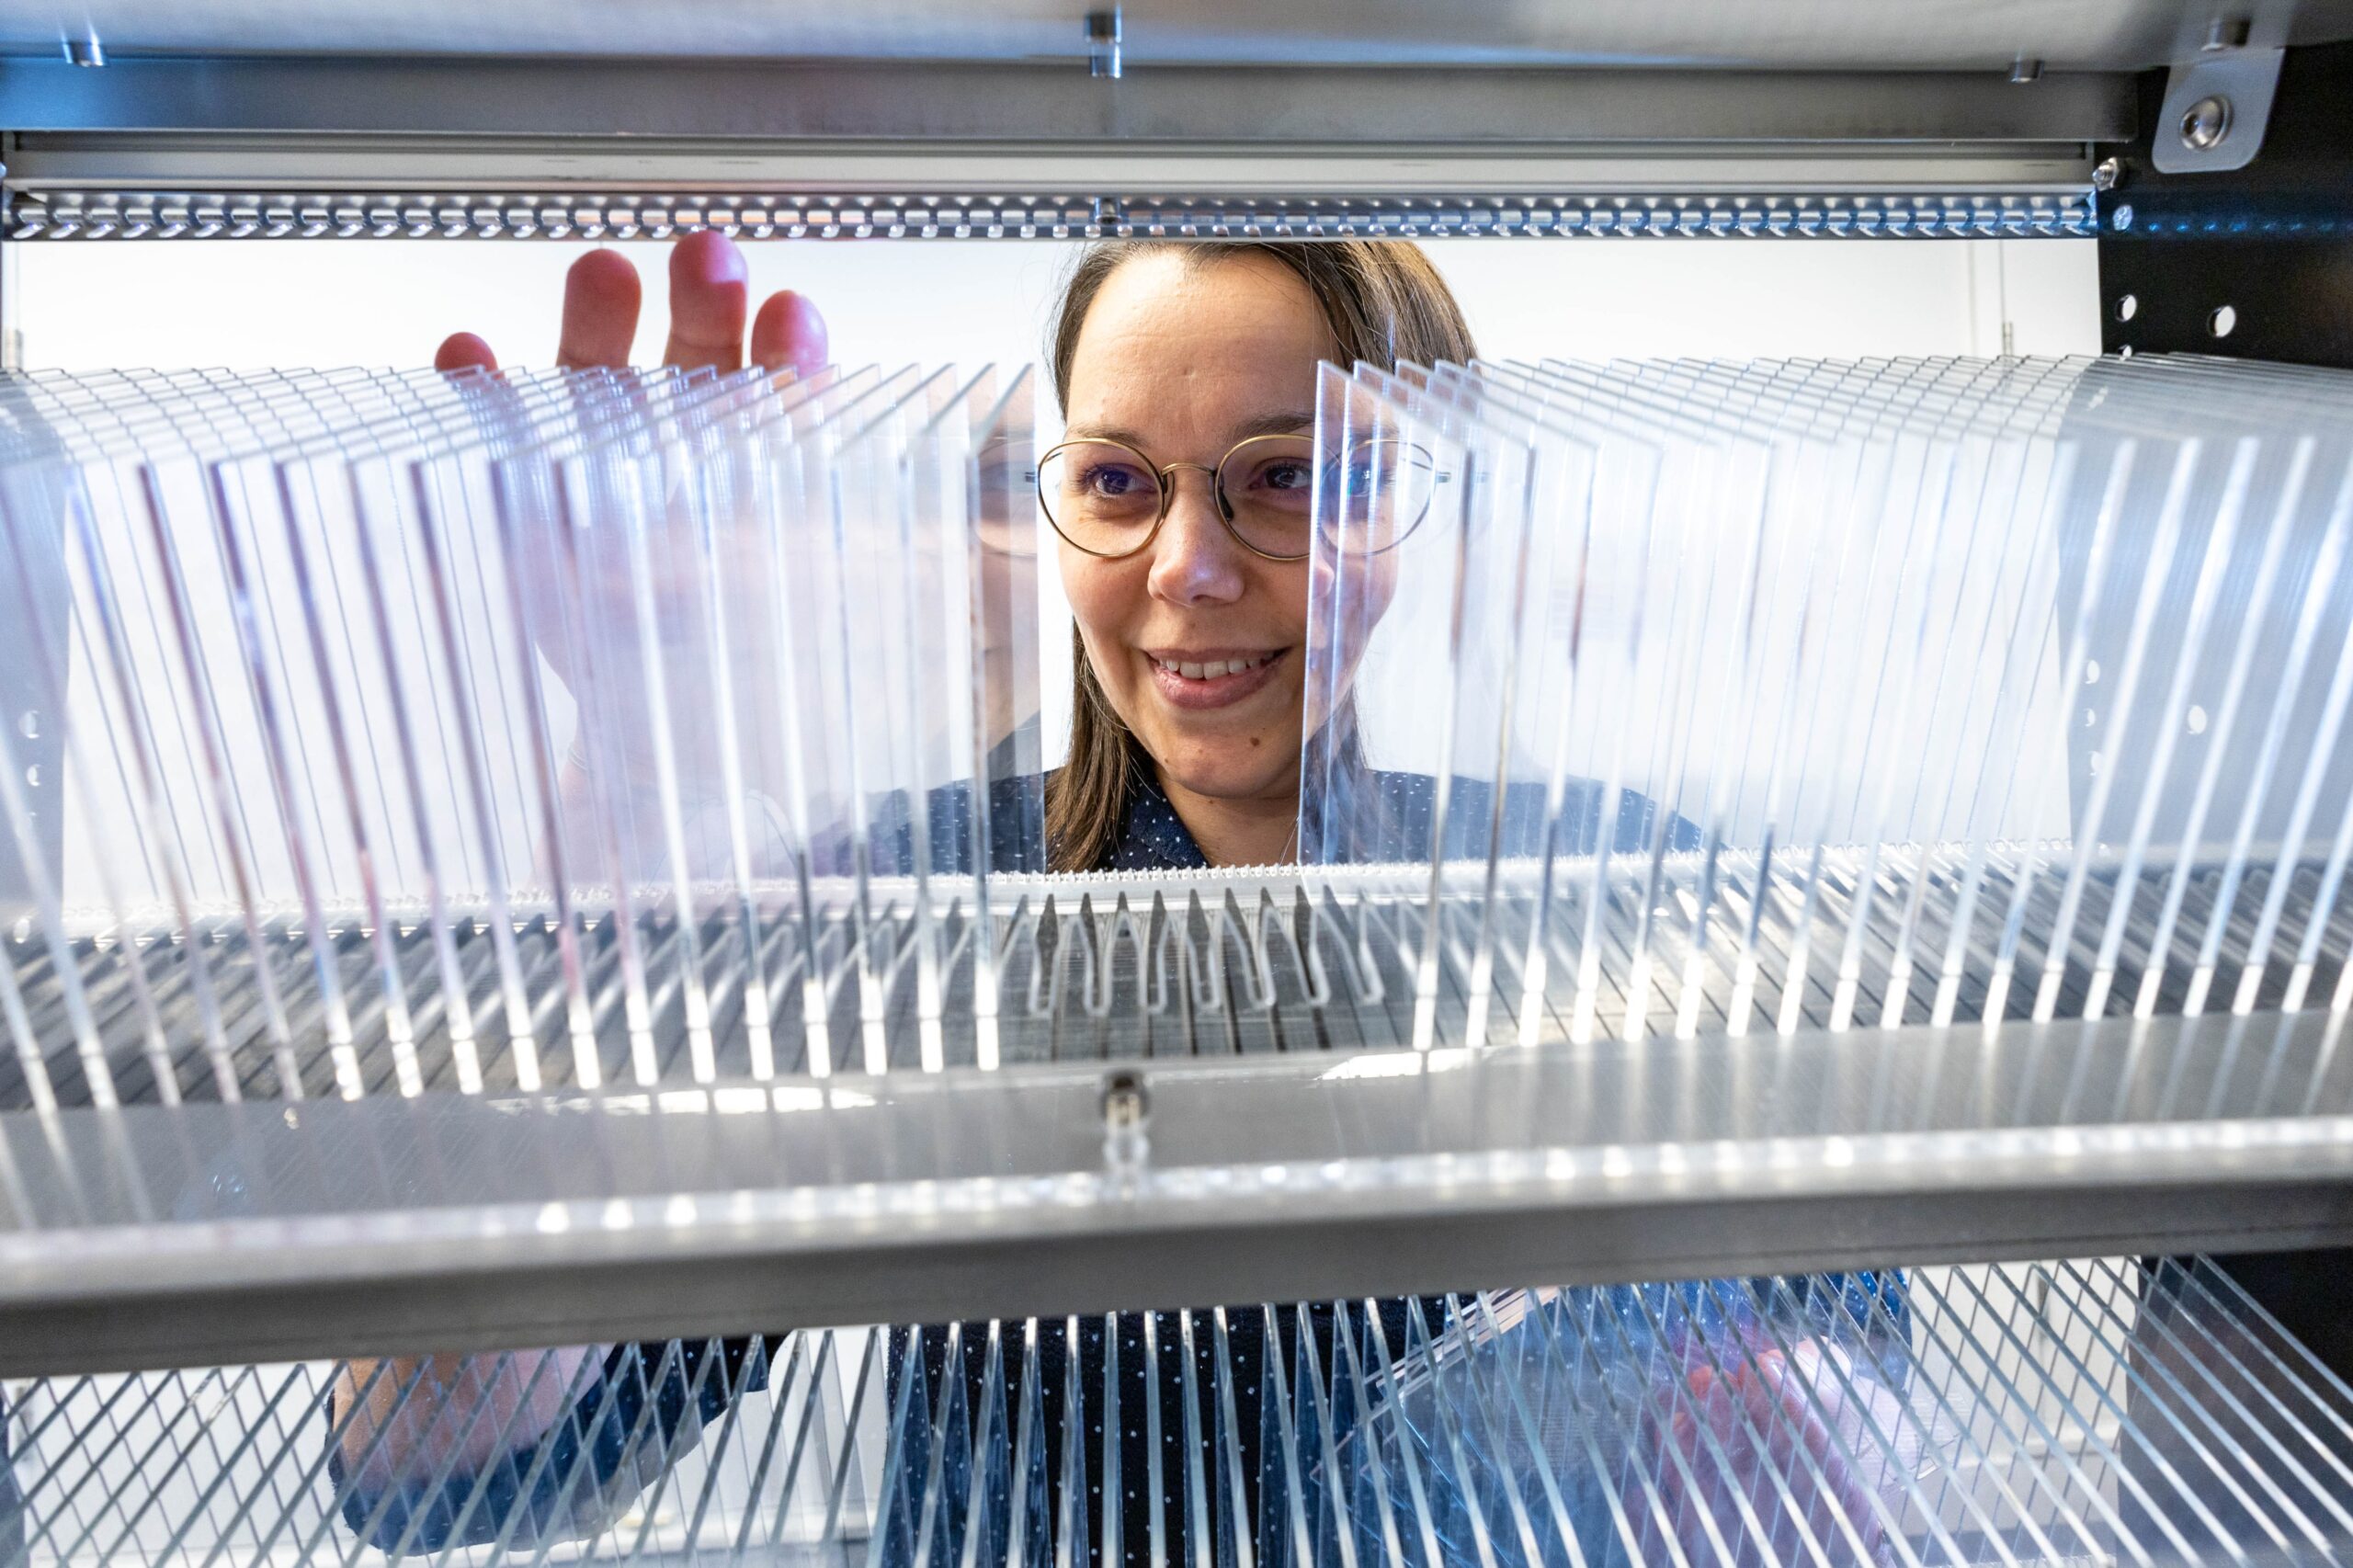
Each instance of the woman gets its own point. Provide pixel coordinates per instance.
(1187, 375)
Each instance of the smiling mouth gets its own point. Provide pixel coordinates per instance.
(1211, 669)
(1213, 683)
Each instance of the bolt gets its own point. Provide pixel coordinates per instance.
(1105, 210)
(2023, 70)
(1103, 43)
(2107, 174)
(85, 50)
(2225, 32)
(1125, 1102)
(1127, 1108)
(2206, 124)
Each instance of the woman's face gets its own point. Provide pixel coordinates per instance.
(1180, 361)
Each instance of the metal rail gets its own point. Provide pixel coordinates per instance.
(266, 147)
(152, 1235)
(1104, 967)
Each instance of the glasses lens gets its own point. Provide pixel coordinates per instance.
(1005, 517)
(1379, 492)
(1101, 495)
(1269, 486)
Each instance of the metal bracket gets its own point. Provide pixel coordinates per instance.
(2272, 241)
(2215, 111)
(2218, 95)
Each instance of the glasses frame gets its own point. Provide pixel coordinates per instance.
(1166, 477)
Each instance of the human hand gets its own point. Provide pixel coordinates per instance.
(610, 770)
(709, 293)
(428, 1416)
(1764, 1420)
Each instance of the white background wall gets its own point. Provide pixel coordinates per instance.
(240, 303)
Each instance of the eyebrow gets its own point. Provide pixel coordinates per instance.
(1288, 422)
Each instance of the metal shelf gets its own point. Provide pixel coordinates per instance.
(2064, 1412)
(1309, 118)
(154, 1235)
(1818, 35)
(164, 148)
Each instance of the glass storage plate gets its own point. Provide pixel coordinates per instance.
(2091, 1411)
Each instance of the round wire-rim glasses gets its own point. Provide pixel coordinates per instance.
(1379, 462)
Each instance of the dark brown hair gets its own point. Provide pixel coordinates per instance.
(1385, 303)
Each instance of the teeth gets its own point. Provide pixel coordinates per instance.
(1212, 668)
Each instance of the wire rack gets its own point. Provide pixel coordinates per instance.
(394, 732)
(1101, 969)
(2093, 1410)
(617, 798)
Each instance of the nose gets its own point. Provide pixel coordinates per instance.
(1195, 561)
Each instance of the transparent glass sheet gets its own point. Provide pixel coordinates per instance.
(387, 733)
(547, 739)
(390, 733)
(2095, 1410)
(1799, 695)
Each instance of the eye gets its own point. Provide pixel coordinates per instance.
(1285, 474)
(1113, 480)
(1280, 477)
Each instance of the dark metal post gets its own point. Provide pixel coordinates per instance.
(2256, 263)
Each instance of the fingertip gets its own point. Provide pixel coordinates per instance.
(790, 334)
(606, 275)
(464, 351)
(601, 295)
(1808, 1356)
(708, 295)
(708, 256)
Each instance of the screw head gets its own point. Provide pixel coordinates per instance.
(2121, 218)
(2107, 174)
(1126, 1102)
(2206, 124)
(1126, 1108)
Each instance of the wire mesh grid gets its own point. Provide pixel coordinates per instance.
(2092, 1410)
(1204, 966)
